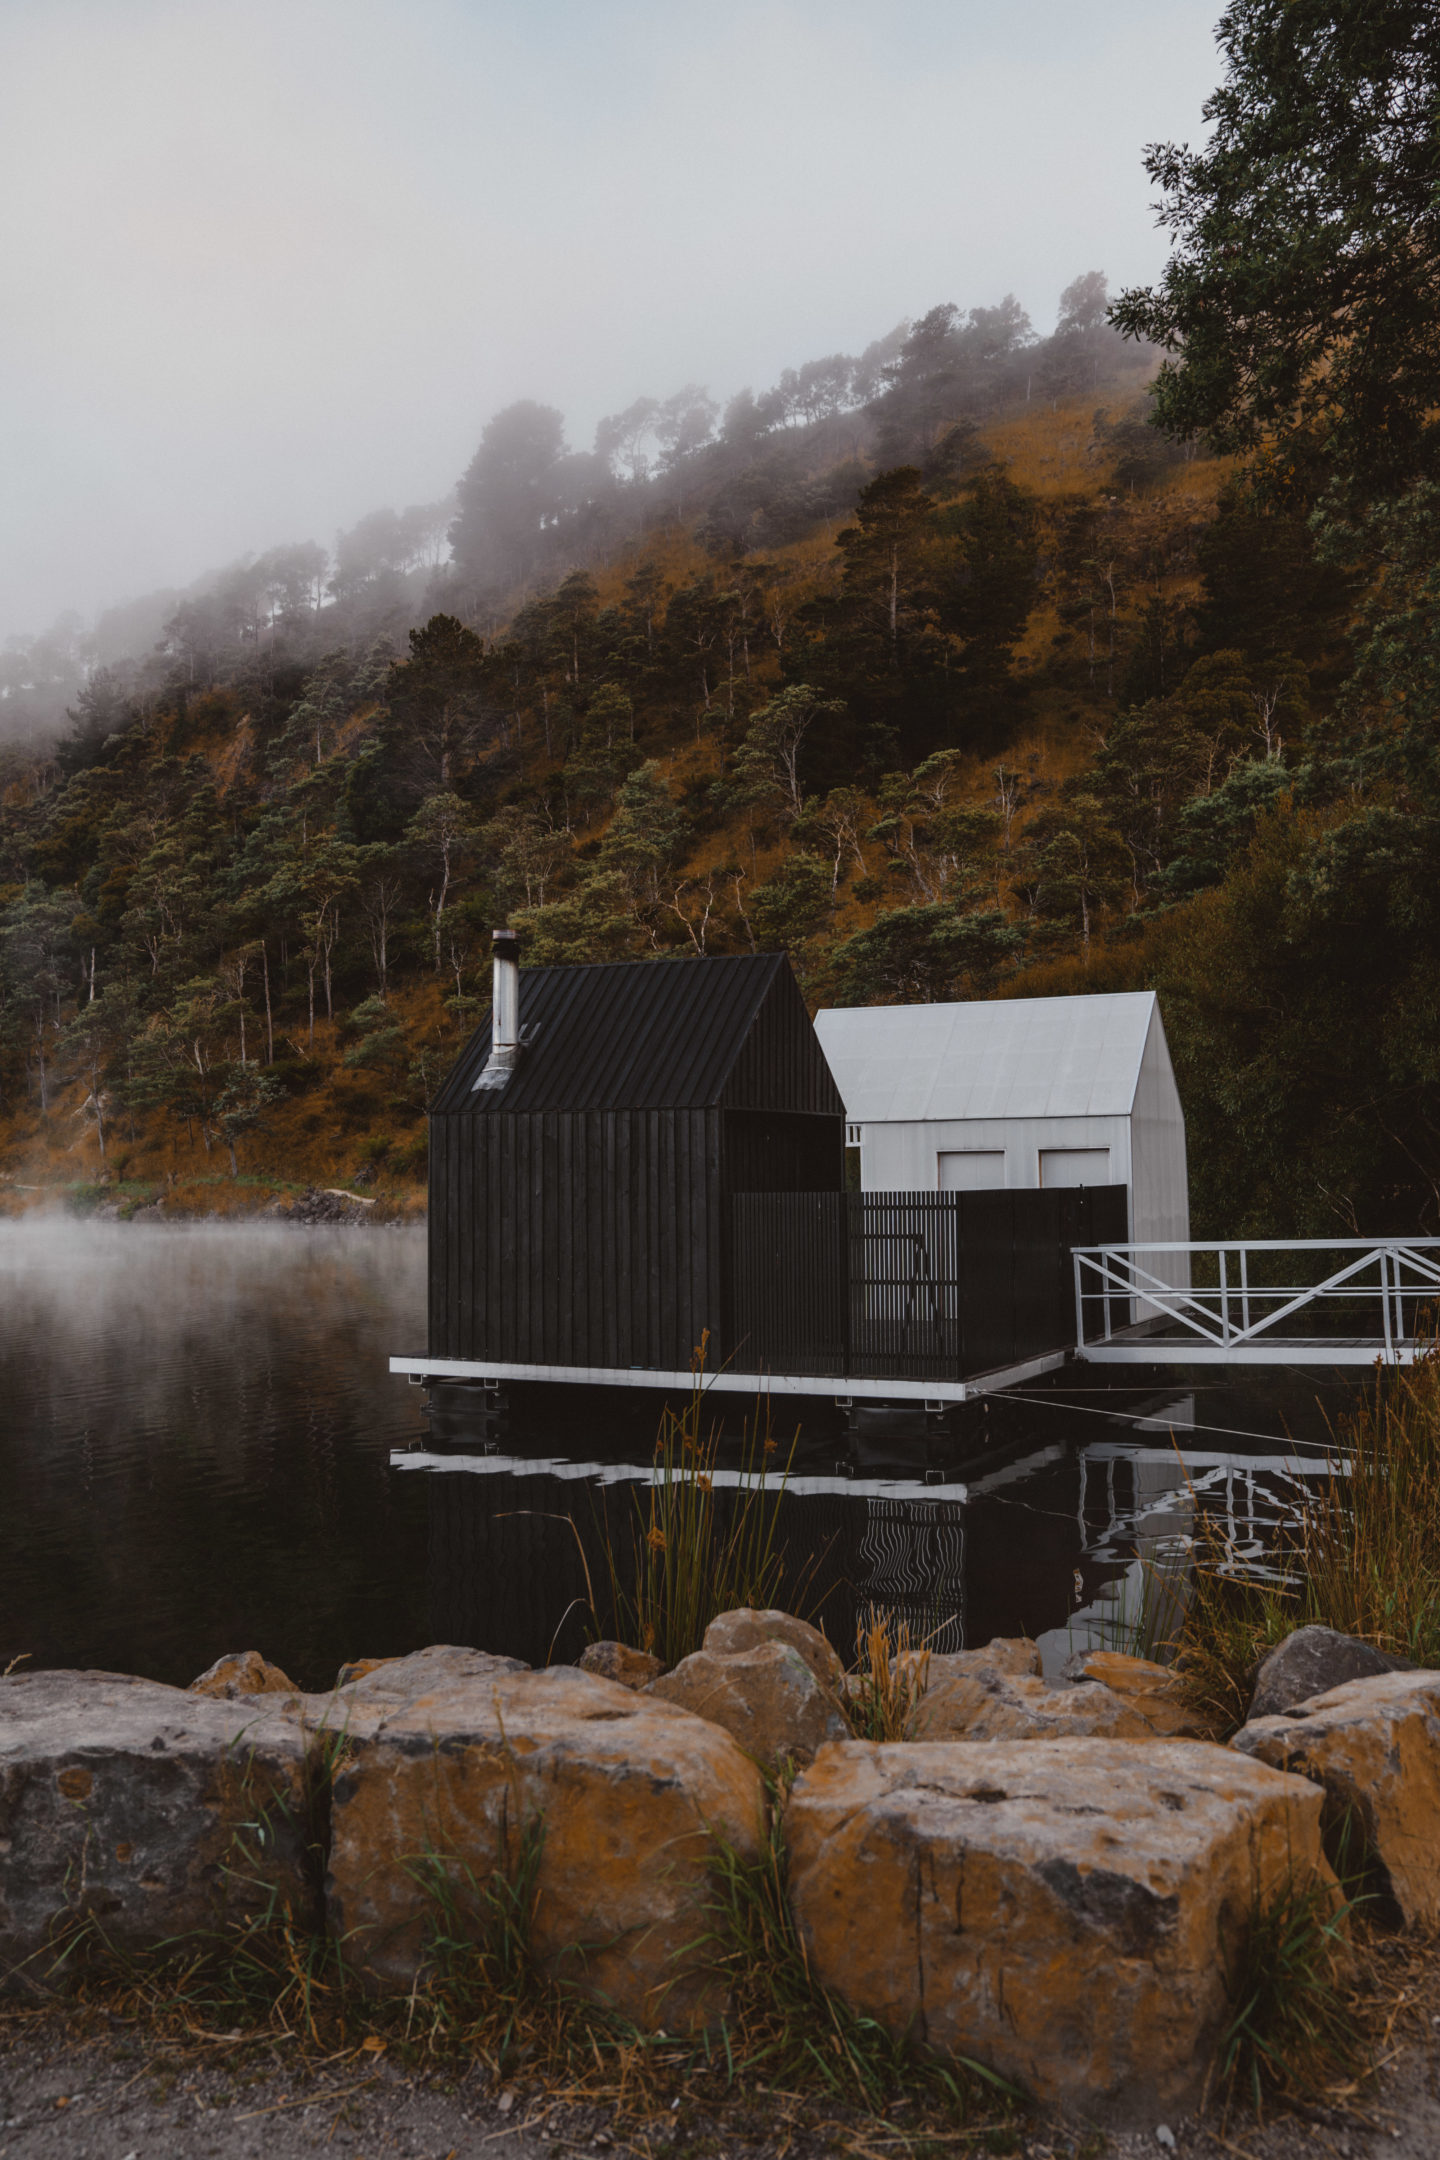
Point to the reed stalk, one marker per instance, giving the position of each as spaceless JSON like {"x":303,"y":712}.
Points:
{"x":890,"y":1676}
{"x":1363,"y":1557}
{"x":688,"y":1559}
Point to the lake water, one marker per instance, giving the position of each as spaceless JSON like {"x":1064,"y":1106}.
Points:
{"x":201,"y":1450}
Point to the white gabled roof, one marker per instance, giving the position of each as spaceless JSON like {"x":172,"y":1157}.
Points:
{"x":1011,"y":1058}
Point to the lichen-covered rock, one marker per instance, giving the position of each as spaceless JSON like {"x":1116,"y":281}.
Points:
{"x":1309,"y":1662}
{"x":242,"y":1672}
{"x":732,"y":1633}
{"x":1154,"y":1690}
{"x":986,"y":1704}
{"x":145,"y":1811}
{"x":767,"y":1698}
{"x":1015,"y":1655}
{"x":401,"y":1679}
{"x":1374,"y":1746}
{"x":618,"y":1662}
{"x":449,"y":1783}
{"x":1063,"y":1911}
{"x":357,"y":1668}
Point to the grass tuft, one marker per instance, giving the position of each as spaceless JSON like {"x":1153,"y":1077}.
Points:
{"x":1364,"y":1556}
{"x":888,"y":1683}
{"x":688,"y":1559}
{"x":1291,"y":2032}
{"x":783,"y":2026}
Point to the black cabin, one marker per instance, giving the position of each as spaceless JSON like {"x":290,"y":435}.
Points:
{"x":580,"y":1209}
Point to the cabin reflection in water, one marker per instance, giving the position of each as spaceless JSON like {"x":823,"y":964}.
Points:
{"x":1059,"y":1541}
{"x":510,"y":1549}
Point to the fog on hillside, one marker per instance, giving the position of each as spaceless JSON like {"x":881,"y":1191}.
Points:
{"x":756,"y":474}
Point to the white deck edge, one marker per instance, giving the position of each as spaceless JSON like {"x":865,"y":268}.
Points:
{"x":1189,"y":1350}
{"x":736,"y":1383}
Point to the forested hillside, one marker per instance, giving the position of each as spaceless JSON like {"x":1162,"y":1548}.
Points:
{"x":942,"y":668}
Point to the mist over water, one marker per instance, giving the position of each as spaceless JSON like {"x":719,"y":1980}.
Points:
{"x":196,"y":1432}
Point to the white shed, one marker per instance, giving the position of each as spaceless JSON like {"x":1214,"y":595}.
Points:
{"x":1019,"y":1091}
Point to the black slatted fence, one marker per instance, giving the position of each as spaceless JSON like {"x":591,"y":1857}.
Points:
{"x":914,"y":1286}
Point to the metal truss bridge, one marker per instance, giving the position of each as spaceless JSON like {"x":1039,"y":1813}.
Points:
{"x":1258,"y":1301}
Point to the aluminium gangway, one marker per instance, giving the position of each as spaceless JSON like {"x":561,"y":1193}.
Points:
{"x":1258,"y":1301}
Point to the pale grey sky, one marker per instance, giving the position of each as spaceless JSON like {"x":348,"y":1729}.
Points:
{"x":266,"y":266}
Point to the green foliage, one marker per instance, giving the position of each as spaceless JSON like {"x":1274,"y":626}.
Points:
{"x":1299,"y":290}
{"x":789,"y":910}
{"x":781,"y":2023}
{"x":988,"y":593}
{"x":596,"y":922}
{"x":240,"y":1107}
{"x":917,"y":955}
{"x":380,"y":1044}
{"x":1212,"y":833}
{"x":1299,"y":1122}
{"x":647,"y":834}
{"x":1290,"y":2031}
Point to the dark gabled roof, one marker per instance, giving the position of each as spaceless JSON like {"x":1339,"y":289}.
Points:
{"x":654,"y":1035}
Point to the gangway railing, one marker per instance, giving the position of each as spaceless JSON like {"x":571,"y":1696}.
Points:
{"x":1257,"y":1301}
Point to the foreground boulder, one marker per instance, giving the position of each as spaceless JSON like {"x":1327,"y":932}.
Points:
{"x":618,"y":1662}
{"x":132,"y":1812}
{"x":748,"y":1626}
{"x":767,"y":1698}
{"x":1154,"y":1690}
{"x":1063,"y":1911}
{"x":1310,"y":1662}
{"x":612,"y":1796}
{"x":1374,"y":1747}
{"x":242,"y":1672}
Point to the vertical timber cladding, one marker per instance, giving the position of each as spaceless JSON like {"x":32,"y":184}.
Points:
{"x":580,"y":1214}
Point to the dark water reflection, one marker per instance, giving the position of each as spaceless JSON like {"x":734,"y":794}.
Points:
{"x":201,"y":1450}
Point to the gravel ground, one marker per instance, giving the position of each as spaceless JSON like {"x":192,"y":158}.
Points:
{"x":107,"y":2091}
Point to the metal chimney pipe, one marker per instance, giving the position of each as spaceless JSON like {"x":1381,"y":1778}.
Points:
{"x":504,"y":1014}
{"x":505,"y":1008}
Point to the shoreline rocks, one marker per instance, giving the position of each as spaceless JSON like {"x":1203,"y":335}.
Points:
{"x":748,"y":1627}
{"x":243,"y":1673}
{"x":618,"y":1662}
{"x":1310,"y":1661}
{"x":1153,"y":1690}
{"x":1045,"y":1879}
{"x":767,"y":1698}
